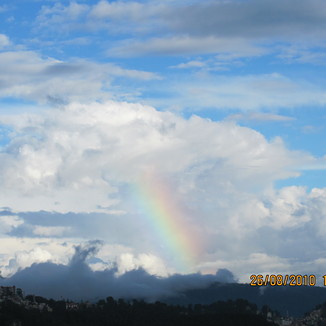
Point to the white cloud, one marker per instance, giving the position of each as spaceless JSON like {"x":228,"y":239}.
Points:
{"x":8,"y":222}
{"x":27,"y":75}
{"x":70,"y":158}
{"x":258,"y":116}
{"x":38,"y":255}
{"x":66,"y":172}
{"x":50,"y":231}
{"x":131,"y":10}
{"x":114,"y":17}
{"x":184,"y":45}
{"x":23,"y":259}
{"x":248,"y":92}
{"x":289,"y":208}
{"x":59,"y":13}
{"x":190,"y":64}
{"x":280,"y":232}
{"x":286,"y":208}
{"x":150,"y":263}
{"x":21,"y":252}
{"x":4,"y":41}
{"x":82,"y":157}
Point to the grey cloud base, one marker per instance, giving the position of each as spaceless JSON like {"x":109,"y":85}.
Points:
{"x":77,"y":281}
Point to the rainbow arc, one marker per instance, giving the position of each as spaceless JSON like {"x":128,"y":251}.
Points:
{"x":165,"y":216}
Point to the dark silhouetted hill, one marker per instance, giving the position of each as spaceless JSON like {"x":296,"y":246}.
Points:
{"x":292,"y":300}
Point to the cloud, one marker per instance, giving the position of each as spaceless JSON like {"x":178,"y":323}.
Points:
{"x":248,"y":92}
{"x":25,"y":259}
{"x":3,"y":9}
{"x":77,"y":281}
{"x":285,"y":21}
{"x":218,"y":18}
{"x":280,"y":232}
{"x":119,"y":10}
{"x":184,"y":45}
{"x":59,"y":13}
{"x":8,"y":222}
{"x":28,"y":76}
{"x":228,"y":33}
{"x":50,"y":231}
{"x":223,"y":275}
{"x":83,"y":252}
{"x":190,"y":64}
{"x":302,"y":53}
{"x":221,"y":27}
{"x":4,"y":41}
{"x":69,"y":165}
{"x":149,"y":262}
{"x":256,"y":116}
{"x":116,"y":17}
{"x":77,"y":157}
{"x":68,"y":174}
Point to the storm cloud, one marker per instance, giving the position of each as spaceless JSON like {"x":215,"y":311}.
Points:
{"x":78,"y":281}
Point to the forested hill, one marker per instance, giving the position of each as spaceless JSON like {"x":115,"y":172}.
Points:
{"x":292,"y":300}
{"x":133,"y":313}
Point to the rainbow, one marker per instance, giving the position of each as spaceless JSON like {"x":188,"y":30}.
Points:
{"x":168,"y":220}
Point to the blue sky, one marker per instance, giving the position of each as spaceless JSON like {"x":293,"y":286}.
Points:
{"x":223,"y":100}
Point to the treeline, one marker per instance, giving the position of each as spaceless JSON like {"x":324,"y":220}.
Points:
{"x":133,"y":313}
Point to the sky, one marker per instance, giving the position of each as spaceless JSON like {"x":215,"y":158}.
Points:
{"x":182,"y":136}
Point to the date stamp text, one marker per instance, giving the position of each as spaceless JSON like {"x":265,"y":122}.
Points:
{"x":283,"y":280}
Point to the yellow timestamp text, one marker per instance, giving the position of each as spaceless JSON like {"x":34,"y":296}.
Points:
{"x":283,"y":280}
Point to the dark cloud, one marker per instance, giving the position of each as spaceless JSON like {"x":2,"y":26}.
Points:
{"x":237,"y":18}
{"x":88,"y":225}
{"x":256,"y":18}
{"x":84,"y":252}
{"x":62,"y":69}
{"x":223,"y":275}
{"x":77,"y":281}
{"x":6,"y":212}
{"x":244,"y":28}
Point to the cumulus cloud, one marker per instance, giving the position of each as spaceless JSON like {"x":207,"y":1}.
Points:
{"x":23,"y":259}
{"x":83,"y":252}
{"x":66,"y":174}
{"x":77,"y":281}
{"x":149,"y":262}
{"x":76,"y":158}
